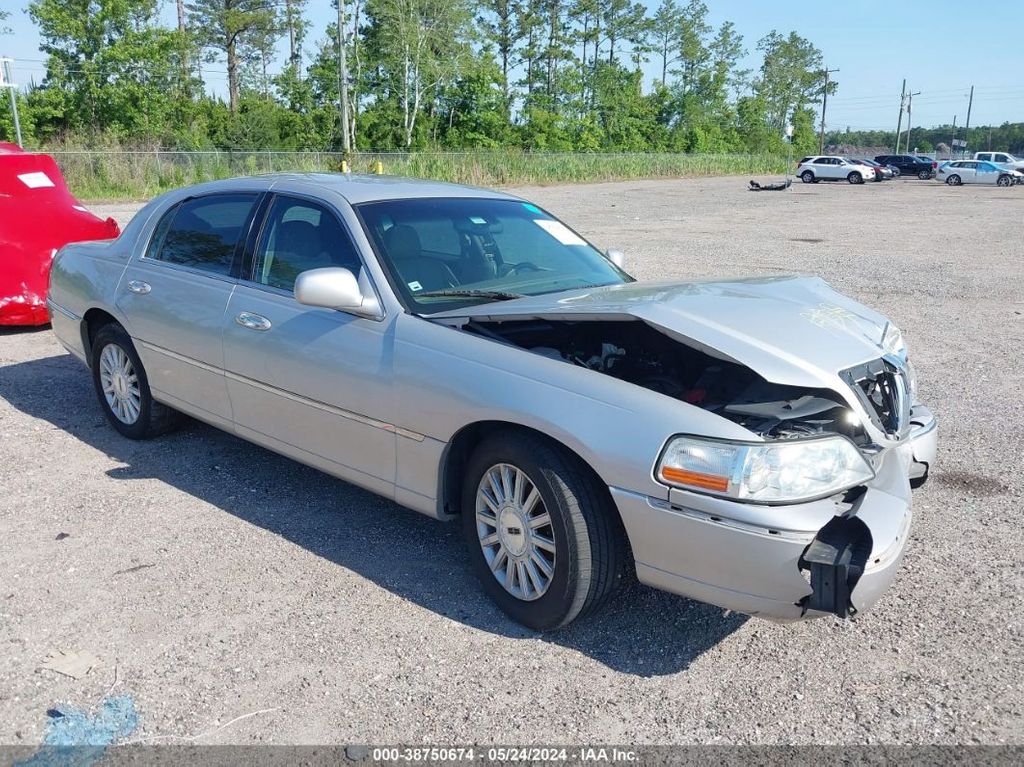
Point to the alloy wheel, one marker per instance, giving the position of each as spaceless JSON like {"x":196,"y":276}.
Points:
{"x":120,"y":384}
{"x":515,"y":532}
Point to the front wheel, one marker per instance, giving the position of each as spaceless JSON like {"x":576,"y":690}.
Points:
{"x":807,"y":177}
{"x":1004,"y":181}
{"x":544,"y":537}
{"x":123,"y":388}
{"x":924,"y":175}
{"x":954,"y":180}
{"x":855,"y":178}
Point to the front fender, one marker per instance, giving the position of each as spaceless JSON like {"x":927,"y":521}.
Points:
{"x":447,"y":379}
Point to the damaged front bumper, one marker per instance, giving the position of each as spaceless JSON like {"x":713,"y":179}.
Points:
{"x":832,"y":556}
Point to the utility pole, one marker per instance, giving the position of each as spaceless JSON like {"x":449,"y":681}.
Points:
{"x":910,"y":109}
{"x":952,"y":141}
{"x":346,"y":146}
{"x":899,"y":123}
{"x":824,"y":103}
{"x":967,"y":127}
{"x":6,"y":81}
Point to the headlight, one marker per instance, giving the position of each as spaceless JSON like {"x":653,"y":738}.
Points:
{"x":893,"y":343}
{"x":764,"y":472}
{"x":911,"y":380}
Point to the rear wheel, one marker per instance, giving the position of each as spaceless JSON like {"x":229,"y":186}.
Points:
{"x":855,"y":178}
{"x":924,"y":175}
{"x":954,"y":180}
{"x":542,"y":533}
{"x":895,"y":172}
{"x":122,"y":387}
{"x":1004,"y":180}
{"x":807,"y":177}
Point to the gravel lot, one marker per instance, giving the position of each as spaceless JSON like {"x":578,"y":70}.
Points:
{"x":214,"y":579}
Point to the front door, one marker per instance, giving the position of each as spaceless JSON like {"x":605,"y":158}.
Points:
{"x":174,"y":297}
{"x":312,"y":383}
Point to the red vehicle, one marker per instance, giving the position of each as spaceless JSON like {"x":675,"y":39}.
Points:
{"x":38,"y":215}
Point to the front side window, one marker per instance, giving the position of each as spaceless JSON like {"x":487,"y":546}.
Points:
{"x":300,"y":235}
{"x":203,"y":232}
{"x":447,"y":253}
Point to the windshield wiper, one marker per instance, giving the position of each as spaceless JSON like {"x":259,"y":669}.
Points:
{"x":497,"y":295}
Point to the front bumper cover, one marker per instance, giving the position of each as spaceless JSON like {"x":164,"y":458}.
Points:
{"x":833,"y":556}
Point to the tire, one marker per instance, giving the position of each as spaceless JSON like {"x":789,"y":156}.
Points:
{"x":122,"y":387}
{"x":924,"y":175}
{"x":896,"y":172}
{"x":807,"y":177}
{"x":855,"y":178}
{"x":1004,"y":180}
{"x":954,"y":180}
{"x":572,"y":511}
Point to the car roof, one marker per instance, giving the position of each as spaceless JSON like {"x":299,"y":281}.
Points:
{"x":354,"y":188}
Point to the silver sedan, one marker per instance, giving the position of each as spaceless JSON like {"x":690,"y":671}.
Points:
{"x":750,"y":443}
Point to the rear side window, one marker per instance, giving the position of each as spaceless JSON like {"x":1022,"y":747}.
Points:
{"x":202,"y":233}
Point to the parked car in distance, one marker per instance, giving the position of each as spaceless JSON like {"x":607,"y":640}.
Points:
{"x":817,"y":168}
{"x":750,"y":443}
{"x":882,"y":172}
{"x":960,"y":172}
{"x":1001,"y":158}
{"x":909,"y":165}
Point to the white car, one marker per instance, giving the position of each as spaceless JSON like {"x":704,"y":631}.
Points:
{"x":833,"y":168}
{"x":977,"y":172}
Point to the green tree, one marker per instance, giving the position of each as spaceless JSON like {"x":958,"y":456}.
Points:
{"x":228,"y":27}
{"x":420,"y":47}
{"x":109,"y":67}
{"x":665,"y":35}
{"x":791,"y":76}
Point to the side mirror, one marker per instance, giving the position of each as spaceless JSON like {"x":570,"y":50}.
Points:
{"x":334,"y":288}
{"x":617,"y":257}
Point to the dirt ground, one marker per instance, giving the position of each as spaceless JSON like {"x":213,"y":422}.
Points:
{"x":213,"y":579}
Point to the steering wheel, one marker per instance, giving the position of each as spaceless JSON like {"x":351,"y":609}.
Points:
{"x":528,"y":266}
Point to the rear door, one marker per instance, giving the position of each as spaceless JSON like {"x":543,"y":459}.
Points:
{"x":967,"y":170}
{"x":174,"y":297}
{"x":313,"y":383}
{"x":824,"y":168}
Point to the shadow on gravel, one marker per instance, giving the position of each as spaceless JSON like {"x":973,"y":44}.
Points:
{"x":17,"y":330}
{"x":642,"y":631}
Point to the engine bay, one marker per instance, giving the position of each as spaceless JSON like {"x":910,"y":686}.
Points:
{"x":634,"y":351}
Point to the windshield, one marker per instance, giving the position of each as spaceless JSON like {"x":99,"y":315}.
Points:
{"x":446,"y":253}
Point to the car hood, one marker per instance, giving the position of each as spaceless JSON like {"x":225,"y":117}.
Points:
{"x":790,"y":330}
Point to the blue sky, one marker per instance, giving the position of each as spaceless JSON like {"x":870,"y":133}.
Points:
{"x":941,"y":47}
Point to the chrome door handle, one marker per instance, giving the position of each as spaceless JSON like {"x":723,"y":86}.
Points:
{"x":138,"y":286}
{"x":252,"y":321}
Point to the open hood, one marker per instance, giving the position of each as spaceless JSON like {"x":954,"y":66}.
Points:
{"x":791,"y":330}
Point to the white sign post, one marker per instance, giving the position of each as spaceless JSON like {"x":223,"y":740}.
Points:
{"x":6,"y":81}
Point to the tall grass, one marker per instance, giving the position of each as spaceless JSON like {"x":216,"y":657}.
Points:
{"x":123,"y":175}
